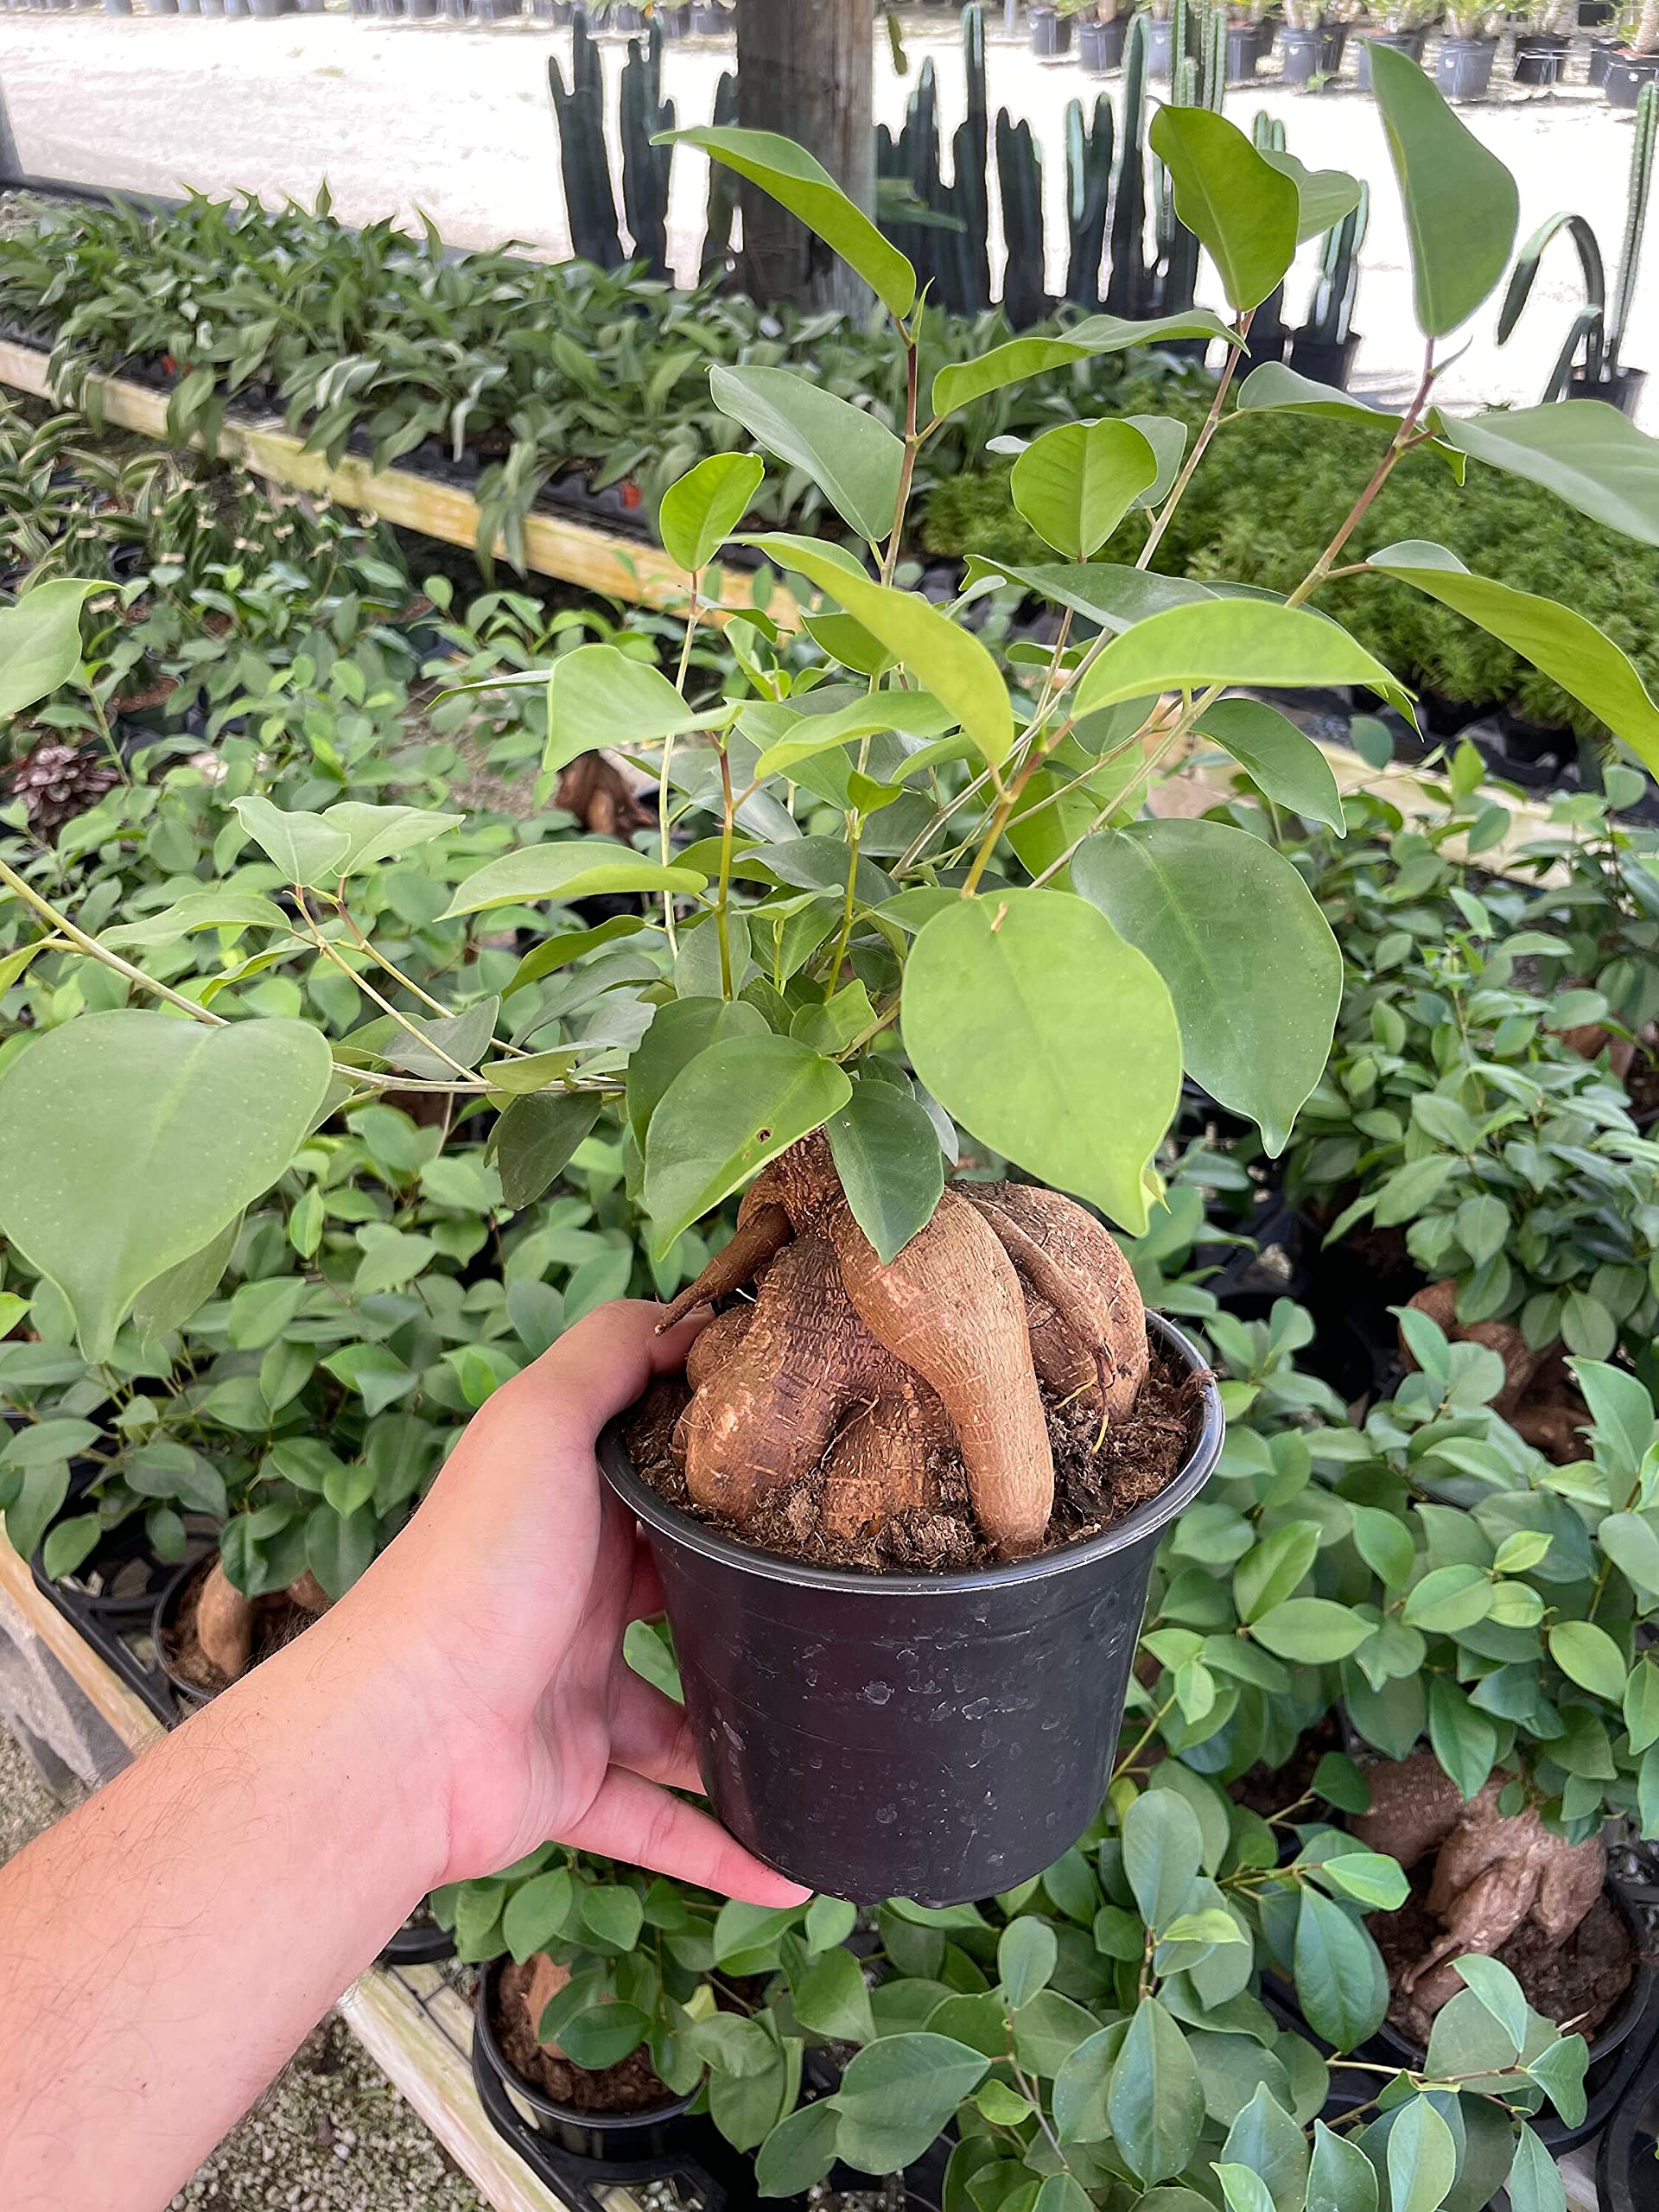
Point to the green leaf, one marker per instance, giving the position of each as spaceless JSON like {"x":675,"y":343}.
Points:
{"x":1555,"y":639}
{"x":1267,"y":2140}
{"x":1384,"y":1544}
{"x":1340,"y":1982}
{"x":1588,"y":1655}
{"x":915,"y":713}
{"x":1155,"y":2102}
{"x":791,"y":175}
{"x":799,"y":2150}
{"x":1585,"y":452}
{"x":1274,"y":388}
{"x":1323,"y":196}
{"x":1422,"y":2157}
{"x":1282,"y":760}
{"x":536,"y":1139}
{"x":898,"y":2092}
{"x":1368,"y":1877}
{"x":597,"y":695}
{"x":831,"y":2000}
{"x":1245,"y":212}
{"x":1227,"y":641}
{"x":535,"y":1915}
{"x":1314,"y":1629}
{"x":68,"y":1543}
{"x":338,"y":1549}
{"x":40,"y":641}
{"x":1076,"y":483}
{"x":949,"y":662}
{"x":700,"y":510}
{"x":1460,"y":202}
{"x":1559,"y":2071}
{"x":566,"y":869}
{"x":1534,"y":2184}
{"x":854,"y":458}
{"x":1026,"y":1955}
{"x":1085,"y":1073}
{"x":1163,"y":1851}
{"x":1253,"y":973}
{"x":886,"y":1153}
{"x":1464,"y":1740}
{"x":960,"y":382}
{"x":1641,"y":1705}
{"x":1340,"y":2177}
{"x":1449,"y":1598}
{"x":128,"y":1140}
{"x":167,"y":1302}
{"x":1499,"y":1992}
{"x":678,"y":1032}
{"x":1083,"y":2083}
{"x":375,"y":833}
{"x":306,"y":848}
{"x":1271,"y":1569}
{"x":199,"y":909}
{"x":735,"y":1107}
{"x":1242,"y":2191}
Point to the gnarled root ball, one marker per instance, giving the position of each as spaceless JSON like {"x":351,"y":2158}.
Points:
{"x":871,"y":1372}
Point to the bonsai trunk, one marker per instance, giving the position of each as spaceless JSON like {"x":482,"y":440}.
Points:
{"x":806,"y":71}
{"x":869,"y":1371}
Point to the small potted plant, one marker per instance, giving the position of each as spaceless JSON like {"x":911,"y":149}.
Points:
{"x":1541,"y":49}
{"x":1633,"y":62}
{"x":1049,"y":28}
{"x":1311,"y":42}
{"x":1249,"y":29}
{"x":1101,"y":33}
{"x":1463,"y":68}
{"x":1405,"y":25}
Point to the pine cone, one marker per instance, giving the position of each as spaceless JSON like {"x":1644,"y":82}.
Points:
{"x":56,"y":782}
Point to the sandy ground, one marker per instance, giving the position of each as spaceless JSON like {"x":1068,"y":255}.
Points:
{"x":456,"y":120}
{"x":330,"y":2135}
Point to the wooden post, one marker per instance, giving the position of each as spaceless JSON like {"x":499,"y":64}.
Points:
{"x":806,"y":68}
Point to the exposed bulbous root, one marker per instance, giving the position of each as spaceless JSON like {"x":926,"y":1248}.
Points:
{"x":869,"y":1370}
{"x":225,"y":1623}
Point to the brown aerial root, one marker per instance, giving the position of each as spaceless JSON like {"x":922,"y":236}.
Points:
{"x":1492,"y":1872}
{"x":866,"y":1371}
{"x":547,"y":1979}
{"x":225,"y":1623}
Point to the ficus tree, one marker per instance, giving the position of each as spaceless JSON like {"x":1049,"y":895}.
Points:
{"x":898,"y":891}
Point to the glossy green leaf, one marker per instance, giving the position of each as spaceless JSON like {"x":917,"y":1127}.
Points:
{"x":916,"y":714}
{"x":854,"y":458}
{"x":1499,"y":1992}
{"x":1026,"y":1953}
{"x":1155,"y":2102}
{"x":898,"y":2092}
{"x":1460,"y":202}
{"x":306,"y":848}
{"x":1244,"y":211}
{"x":40,"y":641}
{"x":1534,"y":2183}
{"x":886,"y":1153}
{"x":789,"y":173}
{"x":1281,"y":761}
{"x":1085,"y":1071}
{"x":338,"y":1548}
{"x":948,"y":661}
{"x":1105,"y":591}
{"x":959,"y":383}
{"x":1585,"y":452}
{"x":678,"y":1032}
{"x":566,"y":868}
{"x":1253,"y":970}
{"x":1554,"y":638}
{"x":1267,"y":2141}
{"x":831,"y":2000}
{"x":737,"y":1105}
{"x":1369,"y":1877}
{"x":598,"y":695}
{"x":701,"y":508}
{"x":1340,"y":2177}
{"x":1076,"y":483}
{"x":1588,"y":1655}
{"x":199,"y":909}
{"x":799,"y":2152}
{"x":128,"y":1140}
{"x":1422,"y":2159}
{"x":1228,"y":641}
{"x":536,"y":1139}
{"x":535,"y":1916}
{"x":1340,"y":1982}
{"x":1312,"y":1629}
{"x":376,"y":833}
{"x":1274,"y":388}
{"x":1163,"y":1851}
{"x":1323,"y":196}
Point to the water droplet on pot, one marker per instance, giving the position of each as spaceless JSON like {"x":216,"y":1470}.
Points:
{"x":878,"y":1693}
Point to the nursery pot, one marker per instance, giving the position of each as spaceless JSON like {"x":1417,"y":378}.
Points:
{"x":1462,"y":69}
{"x":190,"y":1694}
{"x":1158,"y":32}
{"x":1305,"y":55}
{"x":1625,"y":74}
{"x":1622,"y":390}
{"x":712,"y":21}
{"x":613,"y":2137}
{"x":939,"y":1737}
{"x":1099,"y":45}
{"x":1327,"y":360}
{"x":1243,"y":52}
{"x":1411,"y":42}
{"x":1051,"y":32}
{"x":1541,"y":57}
{"x":1593,"y":12}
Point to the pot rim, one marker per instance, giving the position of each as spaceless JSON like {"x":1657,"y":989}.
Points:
{"x":538,"y":2100}
{"x":1147,"y":1519}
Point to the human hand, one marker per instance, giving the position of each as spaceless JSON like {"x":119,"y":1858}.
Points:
{"x":504,"y":1602}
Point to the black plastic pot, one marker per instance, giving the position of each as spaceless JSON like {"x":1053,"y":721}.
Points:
{"x":1463,"y":68}
{"x":1622,"y":390}
{"x":1625,"y":74}
{"x":1160,"y":31}
{"x":1592,"y":12}
{"x":1051,"y":32}
{"x":710,"y":22}
{"x":1327,"y":360}
{"x":1601,"y":51}
{"x":1411,"y":42}
{"x":1541,"y":57}
{"x":1307,"y":55}
{"x":189,"y":1695}
{"x":1627,"y":2169}
{"x":1243,"y":52}
{"x":419,"y":1947}
{"x":934,"y":1736}
{"x":107,"y":1634}
{"x":1099,"y":45}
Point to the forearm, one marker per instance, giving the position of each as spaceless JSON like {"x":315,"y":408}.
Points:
{"x":165,"y":1948}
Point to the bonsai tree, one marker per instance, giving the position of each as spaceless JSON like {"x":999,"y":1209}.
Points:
{"x":926,"y":901}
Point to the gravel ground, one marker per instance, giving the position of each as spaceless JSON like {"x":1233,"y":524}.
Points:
{"x":456,"y":120}
{"x":330,"y":2135}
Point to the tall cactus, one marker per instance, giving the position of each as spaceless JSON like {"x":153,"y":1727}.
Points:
{"x":723,"y":189}
{"x":1088,"y":194}
{"x":1635,"y":218}
{"x":1019,"y":179}
{"x":1129,"y":285}
{"x":1267,"y":333}
{"x":644,"y":115}
{"x":970,"y":192}
{"x":590,"y":203}
{"x":1330,"y":319}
